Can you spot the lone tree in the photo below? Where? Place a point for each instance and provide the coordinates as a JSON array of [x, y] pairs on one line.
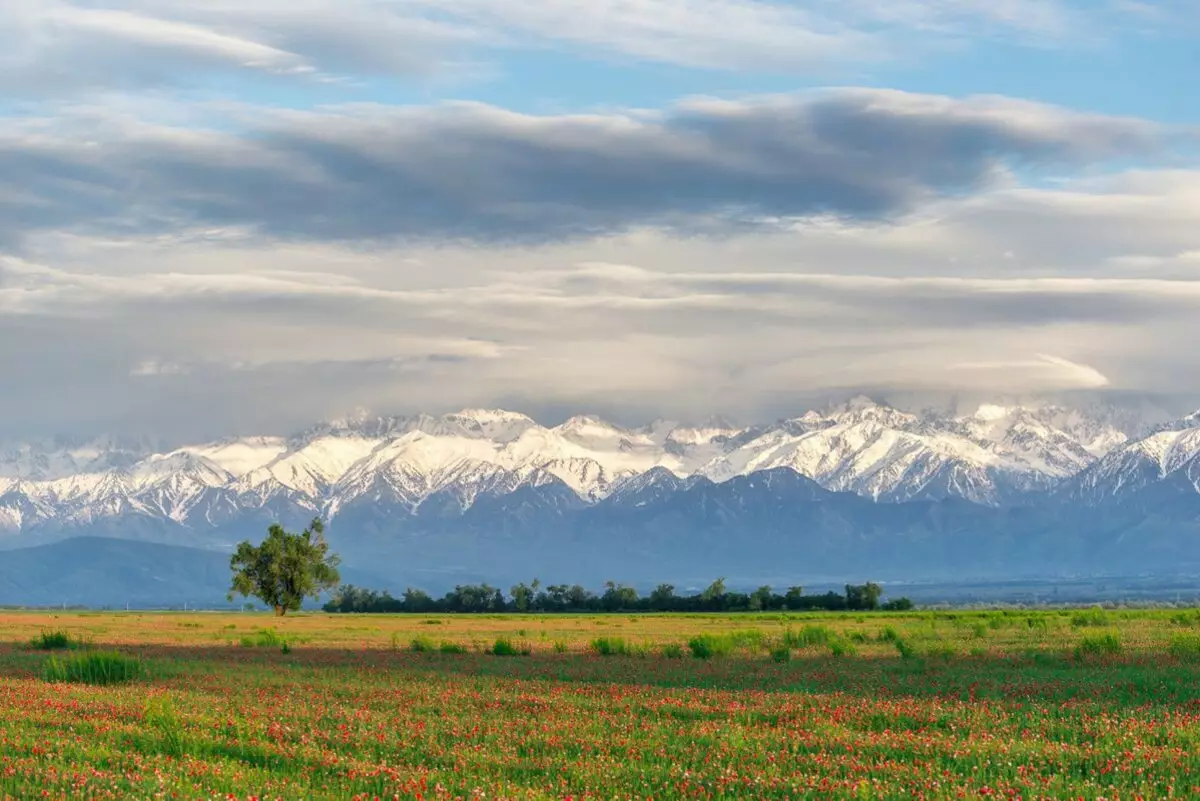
[[286, 568]]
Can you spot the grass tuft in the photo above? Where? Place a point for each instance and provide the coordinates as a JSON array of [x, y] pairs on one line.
[[611, 646], [99, 668], [54, 641], [506, 647]]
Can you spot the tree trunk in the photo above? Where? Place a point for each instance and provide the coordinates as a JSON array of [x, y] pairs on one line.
[[280, 611]]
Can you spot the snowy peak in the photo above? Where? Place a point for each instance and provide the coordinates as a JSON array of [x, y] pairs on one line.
[[425, 464], [493, 424]]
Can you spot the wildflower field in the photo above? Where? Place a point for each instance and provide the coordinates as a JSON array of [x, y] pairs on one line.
[[1060, 704]]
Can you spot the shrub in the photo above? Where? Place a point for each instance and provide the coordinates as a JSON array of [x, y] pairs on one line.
[[905, 650], [1186, 646], [53, 641], [506, 647], [980, 631], [1098, 645], [611, 646], [889, 634], [560, 647], [421, 645], [95, 667], [839, 648], [706, 646], [858, 637], [809, 635], [452, 648], [1188, 618], [1089, 617], [781, 654], [673, 650], [263, 638]]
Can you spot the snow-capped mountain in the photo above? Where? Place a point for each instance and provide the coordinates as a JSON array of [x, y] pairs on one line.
[[446, 465], [1168, 459]]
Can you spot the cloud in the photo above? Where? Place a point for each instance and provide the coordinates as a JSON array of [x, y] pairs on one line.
[[472, 172], [51, 47], [57, 48], [123, 344]]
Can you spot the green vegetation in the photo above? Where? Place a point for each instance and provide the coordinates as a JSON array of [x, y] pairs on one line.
[[941, 705], [285, 568], [57, 640], [559, 598], [93, 667]]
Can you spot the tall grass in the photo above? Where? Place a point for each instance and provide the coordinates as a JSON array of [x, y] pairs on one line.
[[706, 646], [506, 647], [1099, 646], [94, 667], [54, 641]]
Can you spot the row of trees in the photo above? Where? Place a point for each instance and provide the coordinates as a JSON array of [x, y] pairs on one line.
[[286, 568], [533, 597]]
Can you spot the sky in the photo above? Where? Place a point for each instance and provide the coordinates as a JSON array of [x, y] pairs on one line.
[[221, 217]]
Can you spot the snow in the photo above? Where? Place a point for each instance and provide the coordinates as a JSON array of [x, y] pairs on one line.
[[241, 456], [861, 446]]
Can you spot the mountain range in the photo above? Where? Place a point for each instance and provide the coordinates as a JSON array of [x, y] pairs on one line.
[[862, 486]]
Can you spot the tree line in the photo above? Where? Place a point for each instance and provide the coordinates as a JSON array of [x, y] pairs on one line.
[[534, 597]]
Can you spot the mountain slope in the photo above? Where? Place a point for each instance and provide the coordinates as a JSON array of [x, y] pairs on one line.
[[430, 467]]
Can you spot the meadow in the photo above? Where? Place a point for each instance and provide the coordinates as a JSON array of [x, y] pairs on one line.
[[1049, 704]]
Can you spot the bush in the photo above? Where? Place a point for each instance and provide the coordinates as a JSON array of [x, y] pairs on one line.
[[1089, 617], [421, 645], [1098, 645], [673, 650], [97, 667], [54, 641], [452, 648], [263, 638], [840, 648], [1186, 646], [706, 646], [980, 631], [560, 647], [898, 605], [782, 654], [809, 635], [889, 634], [506, 647], [611, 646], [1188, 618]]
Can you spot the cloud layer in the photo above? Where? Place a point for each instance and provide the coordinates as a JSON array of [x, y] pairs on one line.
[[479, 173], [201, 234]]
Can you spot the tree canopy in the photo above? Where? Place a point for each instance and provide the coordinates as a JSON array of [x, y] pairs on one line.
[[285, 568]]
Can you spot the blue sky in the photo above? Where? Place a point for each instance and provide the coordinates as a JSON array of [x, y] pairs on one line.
[[645, 207]]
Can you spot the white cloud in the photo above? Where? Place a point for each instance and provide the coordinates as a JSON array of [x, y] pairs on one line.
[[52, 46], [485, 174]]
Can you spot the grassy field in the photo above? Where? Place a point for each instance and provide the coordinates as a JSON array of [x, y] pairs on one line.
[[1082, 704]]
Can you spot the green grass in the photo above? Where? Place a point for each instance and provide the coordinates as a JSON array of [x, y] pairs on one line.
[[707, 646], [504, 646], [422, 645], [922, 707], [263, 638], [611, 646], [94, 667], [57, 640], [1089, 617], [1099, 646]]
